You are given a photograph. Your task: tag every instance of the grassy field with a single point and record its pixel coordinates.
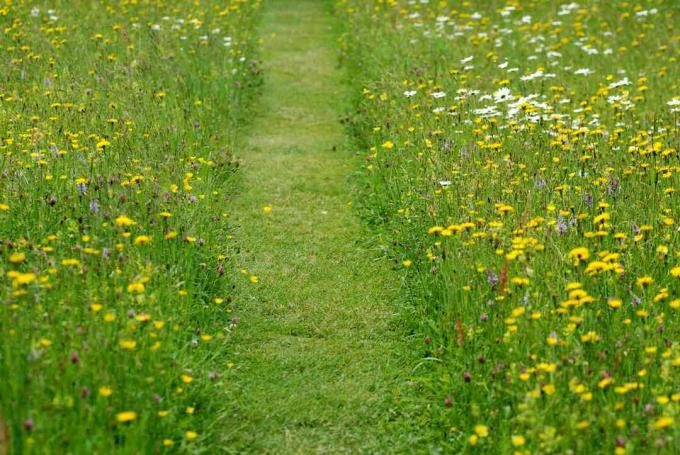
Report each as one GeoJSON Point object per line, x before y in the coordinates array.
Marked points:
{"type": "Point", "coordinates": [117, 124]}
{"type": "Point", "coordinates": [522, 163]}
{"type": "Point", "coordinates": [183, 266]}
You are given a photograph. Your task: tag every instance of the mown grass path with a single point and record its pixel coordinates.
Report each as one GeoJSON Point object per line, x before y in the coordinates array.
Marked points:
{"type": "Point", "coordinates": [319, 361]}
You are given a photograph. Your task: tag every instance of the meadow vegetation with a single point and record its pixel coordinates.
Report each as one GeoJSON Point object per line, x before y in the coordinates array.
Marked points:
{"type": "Point", "coordinates": [518, 163]}
{"type": "Point", "coordinates": [522, 166]}
{"type": "Point", "coordinates": [117, 124]}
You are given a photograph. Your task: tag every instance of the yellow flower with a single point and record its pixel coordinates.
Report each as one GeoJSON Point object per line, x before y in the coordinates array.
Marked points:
{"type": "Point", "coordinates": [187, 379]}
{"type": "Point", "coordinates": [191, 435]}
{"type": "Point", "coordinates": [254, 279]}
{"type": "Point", "coordinates": [267, 210]}
{"type": "Point", "coordinates": [128, 345]}
{"type": "Point", "coordinates": [105, 391]}
{"type": "Point", "coordinates": [127, 416]}
{"type": "Point", "coordinates": [407, 263]}
{"type": "Point", "coordinates": [518, 440]}
{"type": "Point", "coordinates": [520, 281]}
{"type": "Point", "coordinates": [675, 271]}
{"type": "Point", "coordinates": [142, 240]}
{"type": "Point", "coordinates": [482, 431]}
{"type": "Point", "coordinates": [644, 281]}
{"type": "Point", "coordinates": [124, 221]}
{"type": "Point", "coordinates": [591, 337]}
{"type": "Point", "coordinates": [614, 303]}
{"type": "Point", "coordinates": [70, 262]}
{"type": "Point", "coordinates": [4, 207]}
{"type": "Point", "coordinates": [22, 278]}
{"type": "Point", "coordinates": [168, 442]}
{"type": "Point", "coordinates": [102, 144]}
{"type": "Point", "coordinates": [17, 258]}
{"type": "Point", "coordinates": [135, 288]}
{"type": "Point", "coordinates": [388, 145]}
{"type": "Point", "coordinates": [663, 422]}
{"type": "Point", "coordinates": [579, 254]}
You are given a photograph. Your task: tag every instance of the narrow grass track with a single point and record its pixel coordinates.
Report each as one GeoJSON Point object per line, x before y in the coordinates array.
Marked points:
{"type": "Point", "coordinates": [320, 365]}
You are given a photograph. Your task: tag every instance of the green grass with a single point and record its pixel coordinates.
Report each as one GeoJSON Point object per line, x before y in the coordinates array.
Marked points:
{"type": "Point", "coordinates": [525, 347]}
{"type": "Point", "coordinates": [321, 361]}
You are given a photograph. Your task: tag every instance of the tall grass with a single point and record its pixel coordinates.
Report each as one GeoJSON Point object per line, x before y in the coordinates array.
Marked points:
{"type": "Point", "coordinates": [117, 124]}
{"type": "Point", "coordinates": [522, 166]}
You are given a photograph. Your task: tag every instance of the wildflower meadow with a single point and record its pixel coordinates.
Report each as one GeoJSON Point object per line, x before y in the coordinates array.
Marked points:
{"type": "Point", "coordinates": [339, 226]}
{"type": "Point", "coordinates": [118, 122]}
{"type": "Point", "coordinates": [521, 162]}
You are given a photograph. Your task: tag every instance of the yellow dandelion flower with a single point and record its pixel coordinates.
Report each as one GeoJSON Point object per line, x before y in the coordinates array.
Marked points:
{"type": "Point", "coordinates": [614, 303]}
{"type": "Point", "coordinates": [518, 440]}
{"type": "Point", "coordinates": [70, 262]}
{"type": "Point", "coordinates": [126, 416]}
{"type": "Point", "coordinates": [644, 281]}
{"type": "Point", "coordinates": [124, 221]}
{"type": "Point", "coordinates": [142, 240]}
{"type": "Point", "coordinates": [482, 431]}
{"type": "Point", "coordinates": [135, 288]}
{"type": "Point", "coordinates": [579, 254]}
{"type": "Point", "coordinates": [105, 391]}
{"type": "Point", "coordinates": [128, 345]}
{"type": "Point", "coordinates": [663, 422]}
{"type": "Point", "coordinates": [17, 258]}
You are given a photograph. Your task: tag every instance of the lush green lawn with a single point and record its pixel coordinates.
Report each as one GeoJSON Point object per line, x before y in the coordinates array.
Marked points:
{"type": "Point", "coordinates": [522, 162]}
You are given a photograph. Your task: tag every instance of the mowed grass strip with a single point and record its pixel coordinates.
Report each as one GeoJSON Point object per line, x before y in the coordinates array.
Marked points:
{"type": "Point", "coordinates": [321, 363]}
